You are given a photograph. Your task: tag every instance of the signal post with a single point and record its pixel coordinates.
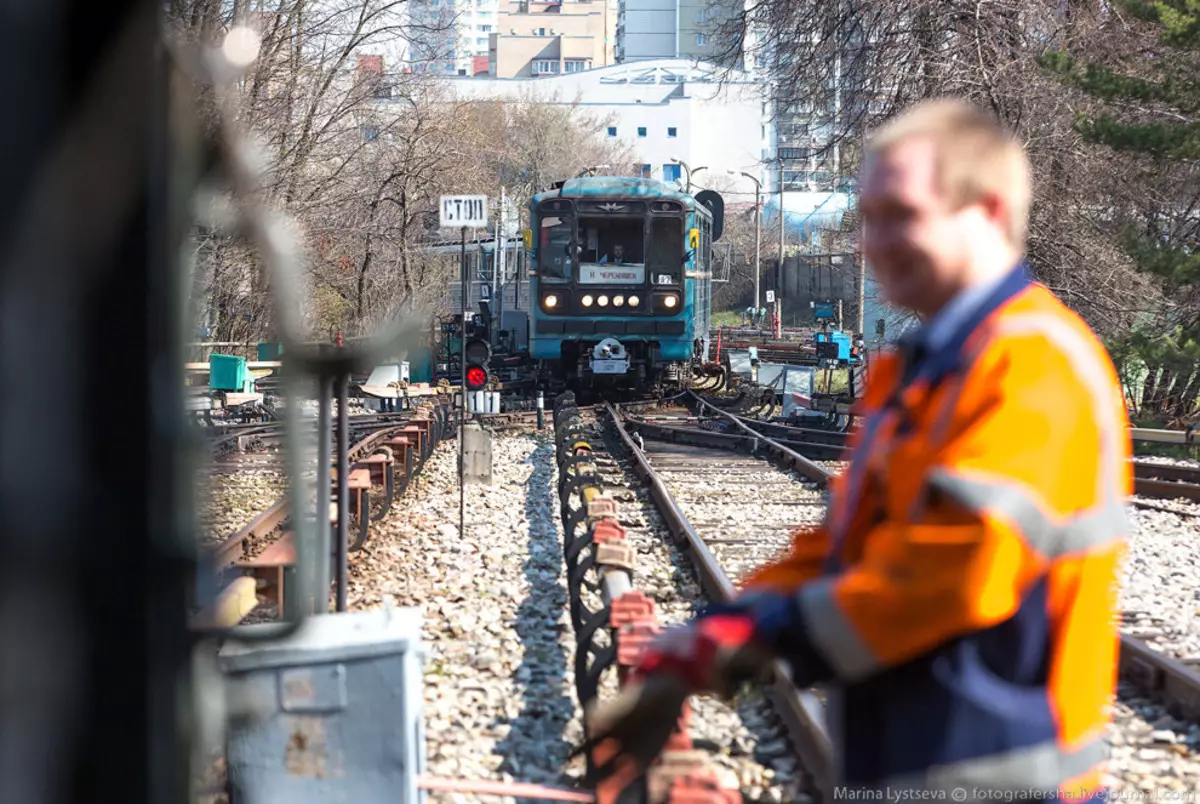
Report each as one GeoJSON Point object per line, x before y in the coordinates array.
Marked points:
{"type": "Point", "coordinates": [468, 212]}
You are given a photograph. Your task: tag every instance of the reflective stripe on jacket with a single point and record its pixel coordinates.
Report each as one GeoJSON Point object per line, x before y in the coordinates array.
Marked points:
{"type": "Point", "coordinates": [962, 591]}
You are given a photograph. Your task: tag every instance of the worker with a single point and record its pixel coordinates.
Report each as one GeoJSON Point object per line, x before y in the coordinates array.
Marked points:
{"type": "Point", "coordinates": [960, 598]}
{"type": "Point", "coordinates": [618, 256]}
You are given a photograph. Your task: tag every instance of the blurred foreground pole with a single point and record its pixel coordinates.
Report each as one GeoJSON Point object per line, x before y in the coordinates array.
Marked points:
{"type": "Point", "coordinates": [92, 571]}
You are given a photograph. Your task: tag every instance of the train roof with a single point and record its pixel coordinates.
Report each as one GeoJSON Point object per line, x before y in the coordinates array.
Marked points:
{"type": "Point", "coordinates": [609, 186]}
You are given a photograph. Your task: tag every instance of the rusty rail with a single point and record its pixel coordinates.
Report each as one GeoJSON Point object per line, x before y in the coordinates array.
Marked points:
{"type": "Point", "coordinates": [229, 606]}
{"type": "Point", "coordinates": [1166, 481]}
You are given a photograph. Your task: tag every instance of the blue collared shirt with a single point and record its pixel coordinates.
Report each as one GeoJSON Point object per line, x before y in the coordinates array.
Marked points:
{"type": "Point", "coordinates": [941, 328]}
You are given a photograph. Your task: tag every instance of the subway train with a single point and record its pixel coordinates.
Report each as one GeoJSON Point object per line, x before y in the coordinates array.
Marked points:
{"type": "Point", "coordinates": [621, 283]}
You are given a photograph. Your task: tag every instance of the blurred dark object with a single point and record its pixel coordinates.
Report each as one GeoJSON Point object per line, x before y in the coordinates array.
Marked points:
{"type": "Point", "coordinates": [92, 552]}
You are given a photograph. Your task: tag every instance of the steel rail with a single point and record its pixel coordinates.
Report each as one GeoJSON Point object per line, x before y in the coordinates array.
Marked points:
{"type": "Point", "coordinates": [784, 454]}
{"type": "Point", "coordinates": [219, 557]}
{"type": "Point", "coordinates": [798, 709]}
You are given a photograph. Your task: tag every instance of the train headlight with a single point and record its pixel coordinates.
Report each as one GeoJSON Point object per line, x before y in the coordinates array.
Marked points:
{"type": "Point", "coordinates": [667, 303]}
{"type": "Point", "coordinates": [602, 301]}
{"type": "Point", "coordinates": [550, 301]}
{"type": "Point", "coordinates": [618, 301]}
{"type": "Point", "coordinates": [587, 301]}
{"type": "Point", "coordinates": [633, 301]}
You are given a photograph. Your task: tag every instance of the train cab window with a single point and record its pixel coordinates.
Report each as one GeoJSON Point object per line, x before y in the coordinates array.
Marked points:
{"type": "Point", "coordinates": [554, 247]}
{"type": "Point", "coordinates": [608, 241]}
{"type": "Point", "coordinates": [667, 250]}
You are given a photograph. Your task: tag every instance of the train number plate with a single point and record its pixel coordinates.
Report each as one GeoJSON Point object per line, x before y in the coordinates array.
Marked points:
{"type": "Point", "coordinates": [601, 366]}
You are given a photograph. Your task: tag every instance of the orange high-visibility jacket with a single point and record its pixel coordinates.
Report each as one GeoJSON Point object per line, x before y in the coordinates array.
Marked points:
{"type": "Point", "coordinates": [961, 594]}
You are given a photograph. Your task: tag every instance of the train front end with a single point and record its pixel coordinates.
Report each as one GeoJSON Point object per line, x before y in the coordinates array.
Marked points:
{"type": "Point", "coordinates": [620, 284]}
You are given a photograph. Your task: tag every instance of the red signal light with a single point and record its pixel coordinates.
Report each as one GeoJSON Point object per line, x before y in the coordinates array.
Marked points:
{"type": "Point", "coordinates": [477, 378]}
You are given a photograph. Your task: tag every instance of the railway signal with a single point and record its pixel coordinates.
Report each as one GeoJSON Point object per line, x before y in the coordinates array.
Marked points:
{"type": "Point", "coordinates": [478, 354]}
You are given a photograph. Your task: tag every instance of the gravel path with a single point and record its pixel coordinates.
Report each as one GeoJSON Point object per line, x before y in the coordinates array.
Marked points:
{"type": "Point", "coordinates": [1153, 754]}
{"type": "Point", "coordinates": [1160, 597]}
{"type": "Point", "coordinates": [499, 695]}
{"type": "Point", "coordinates": [227, 502]}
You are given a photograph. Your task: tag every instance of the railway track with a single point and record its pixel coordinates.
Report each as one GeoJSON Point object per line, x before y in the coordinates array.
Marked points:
{"type": "Point", "coordinates": [1154, 479]}
{"type": "Point", "coordinates": [728, 495]}
{"type": "Point", "coordinates": [495, 708]}
{"type": "Point", "coordinates": [257, 554]}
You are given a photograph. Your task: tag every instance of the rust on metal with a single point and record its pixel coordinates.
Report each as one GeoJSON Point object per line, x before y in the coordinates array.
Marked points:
{"type": "Point", "coordinates": [1166, 489]}
{"type": "Point", "coordinates": [230, 550]}
{"type": "Point", "coordinates": [1176, 682]}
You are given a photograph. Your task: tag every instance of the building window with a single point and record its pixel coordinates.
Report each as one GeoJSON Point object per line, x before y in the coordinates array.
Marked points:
{"type": "Point", "coordinates": [672, 131]}
{"type": "Point", "coordinates": [701, 40]}
{"type": "Point", "coordinates": [576, 65]}
{"type": "Point", "coordinates": [671, 172]}
{"type": "Point", "coordinates": [612, 131]}
{"type": "Point", "coordinates": [545, 67]}
{"type": "Point", "coordinates": [641, 131]}
{"type": "Point", "coordinates": [370, 133]}
{"type": "Point", "coordinates": [541, 32]}
{"type": "Point", "coordinates": [641, 170]}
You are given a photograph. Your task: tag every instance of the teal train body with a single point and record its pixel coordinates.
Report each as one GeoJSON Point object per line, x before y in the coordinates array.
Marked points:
{"type": "Point", "coordinates": [621, 282]}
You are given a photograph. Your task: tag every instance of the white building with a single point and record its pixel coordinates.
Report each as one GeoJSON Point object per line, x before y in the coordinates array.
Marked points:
{"type": "Point", "coordinates": [667, 110]}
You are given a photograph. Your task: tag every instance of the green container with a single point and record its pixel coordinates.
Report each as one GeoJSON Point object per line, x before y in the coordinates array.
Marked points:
{"type": "Point", "coordinates": [226, 373]}
{"type": "Point", "coordinates": [269, 351]}
{"type": "Point", "coordinates": [420, 365]}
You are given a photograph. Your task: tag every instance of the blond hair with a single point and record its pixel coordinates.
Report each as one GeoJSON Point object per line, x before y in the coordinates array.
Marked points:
{"type": "Point", "coordinates": [976, 156]}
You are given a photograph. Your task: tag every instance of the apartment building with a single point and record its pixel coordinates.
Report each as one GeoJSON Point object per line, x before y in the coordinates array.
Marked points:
{"type": "Point", "coordinates": [681, 29]}
{"type": "Point", "coordinates": [450, 37]}
{"type": "Point", "coordinates": [535, 39]}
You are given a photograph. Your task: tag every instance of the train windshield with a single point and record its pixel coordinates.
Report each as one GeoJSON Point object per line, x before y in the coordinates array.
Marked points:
{"type": "Point", "coordinates": [665, 250]}
{"type": "Point", "coordinates": [611, 241]}
{"type": "Point", "coordinates": [554, 247]}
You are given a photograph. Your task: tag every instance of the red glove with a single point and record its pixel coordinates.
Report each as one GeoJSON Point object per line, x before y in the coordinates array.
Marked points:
{"type": "Point", "coordinates": [712, 654]}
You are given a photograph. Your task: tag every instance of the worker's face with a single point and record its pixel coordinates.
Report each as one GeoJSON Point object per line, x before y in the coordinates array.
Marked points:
{"type": "Point", "coordinates": [618, 251]}
{"type": "Point", "coordinates": [914, 241]}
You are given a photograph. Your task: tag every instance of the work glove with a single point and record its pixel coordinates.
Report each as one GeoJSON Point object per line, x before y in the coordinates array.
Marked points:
{"type": "Point", "coordinates": [715, 653]}
{"type": "Point", "coordinates": [630, 730]}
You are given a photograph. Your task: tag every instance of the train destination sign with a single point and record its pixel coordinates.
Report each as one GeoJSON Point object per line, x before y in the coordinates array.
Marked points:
{"type": "Point", "coordinates": [591, 274]}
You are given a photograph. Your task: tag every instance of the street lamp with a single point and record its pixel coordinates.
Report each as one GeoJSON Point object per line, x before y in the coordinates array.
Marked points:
{"type": "Point", "coordinates": [688, 174]}
{"type": "Point", "coordinates": [757, 231]}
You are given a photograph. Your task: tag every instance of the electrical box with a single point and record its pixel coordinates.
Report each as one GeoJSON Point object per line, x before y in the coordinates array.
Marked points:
{"type": "Point", "coordinates": [226, 373]}
{"type": "Point", "coordinates": [337, 711]}
{"type": "Point", "coordinates": [833, 345]}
